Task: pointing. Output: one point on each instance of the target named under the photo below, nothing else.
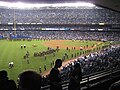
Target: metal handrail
(87, 79)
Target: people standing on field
(24, 45)
(27, 54)
(21, 46)
(11, 65)
(40, 70)
(67, 48)
(45, 57)
(28, 62)
(45, 67)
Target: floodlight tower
(14, 23)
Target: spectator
(5, 83)
(55, 78)
(75, 78)
(29, 80)
(115, 86)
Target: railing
(90, 79)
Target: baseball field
(14, 51)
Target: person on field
(45, 67)
(11, 65)
(21, 46)
(24, 45)
(40, 70)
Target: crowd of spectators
(103, 60)
(58, 15)
(56, 27)
(69, 35)
(32, 19)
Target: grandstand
(38, 25)
(59, 18)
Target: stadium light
(101, 23)
(21, 5)
(100, 29)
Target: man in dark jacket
(55, 78)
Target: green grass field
(10, 51)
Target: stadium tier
(63, 35)
(59, 18)
(34, 38)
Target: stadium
(32, 37)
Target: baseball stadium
(33, 37)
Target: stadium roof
(111, 4)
